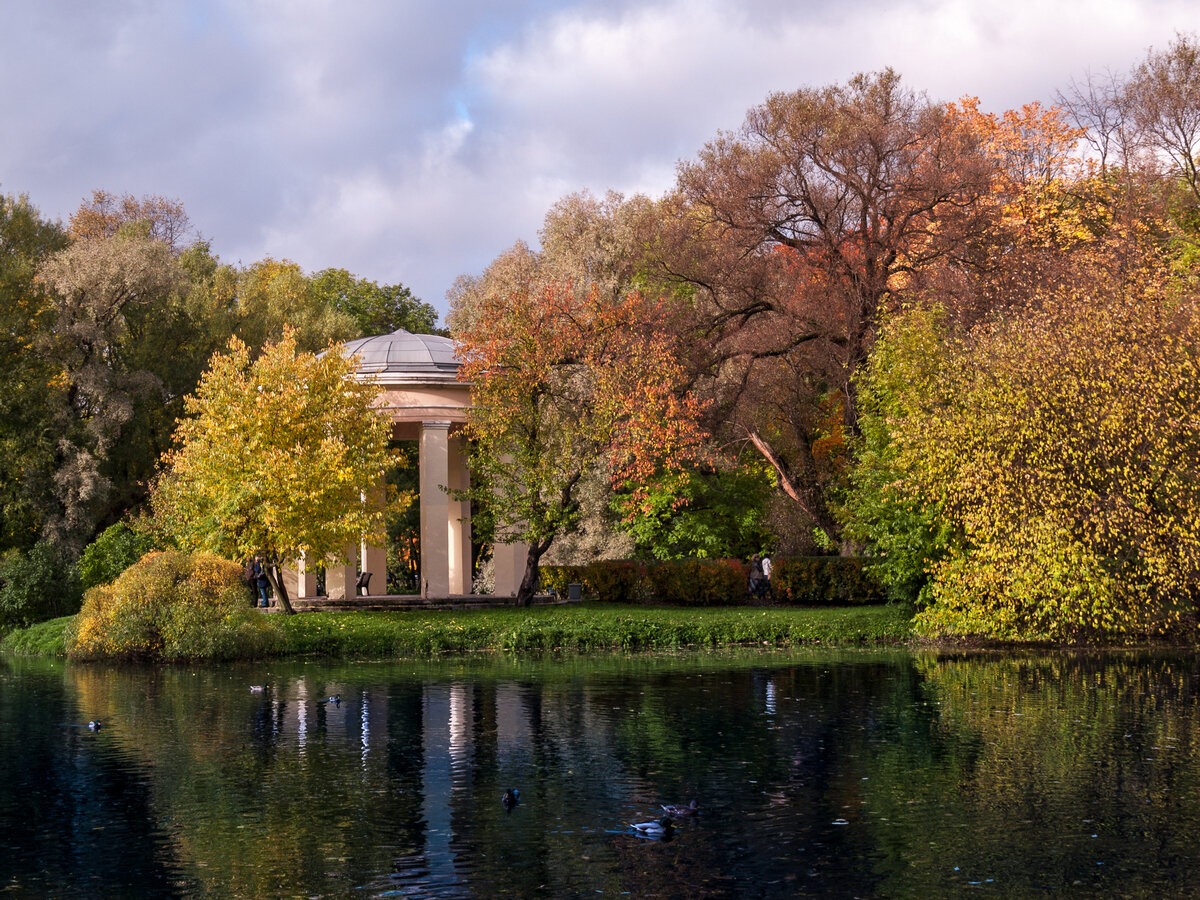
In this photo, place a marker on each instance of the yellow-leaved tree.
(277, 458)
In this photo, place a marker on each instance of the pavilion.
(417, 379)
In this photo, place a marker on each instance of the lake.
(817, 773)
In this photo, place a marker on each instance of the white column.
(434, 462)
(460, 521)
(508, 562)
(341, 575)
(374, 559)
(298, 580)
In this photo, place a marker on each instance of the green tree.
(274, 295)
(276, 459)
(31, 415)
(375, 309)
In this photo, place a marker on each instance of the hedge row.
(795, 581)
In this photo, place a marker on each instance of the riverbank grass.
(576, 628)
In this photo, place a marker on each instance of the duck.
(655, 828)
(95, 725)
(681, 812)
(336, 700)
(257, 688)
(511, 798)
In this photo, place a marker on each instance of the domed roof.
(417, 356)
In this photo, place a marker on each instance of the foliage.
(1072, 500)
(561, 380)
(274, 296)
(824, 581)
(806, 581)
(36, 584)
(172, 606)
(375, 309)
(707, 514)
(105, 215)
(115, 549)
(47, 639)
(277, 459)
(30, 397)
(908, 374)
(119, 341)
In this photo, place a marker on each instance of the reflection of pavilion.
(417, 377)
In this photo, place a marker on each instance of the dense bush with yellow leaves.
(1042, 469)
(172, 606)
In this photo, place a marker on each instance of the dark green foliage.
(35, 585)
(30, 406)
(376, 309)
(722, 514)
(799, 581)
(824, 581)
(116, 549)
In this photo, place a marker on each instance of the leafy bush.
(36, 585)
(803, 581)
(698, 582)
(172, 606)
(1035, 477)
(824, 581)
(116, 549)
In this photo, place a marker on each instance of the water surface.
(825, 774)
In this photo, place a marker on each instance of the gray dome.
(403, 353)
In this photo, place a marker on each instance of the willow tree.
(276, 459)
(564, 382)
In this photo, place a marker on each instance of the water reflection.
(818, 774)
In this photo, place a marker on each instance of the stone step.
(395, 603)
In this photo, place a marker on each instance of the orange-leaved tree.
(564, 381)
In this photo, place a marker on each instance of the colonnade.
(446, 568)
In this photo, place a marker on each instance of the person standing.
(756, 576)
(766, 570)
(263, 583)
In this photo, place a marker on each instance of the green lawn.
(587, 627)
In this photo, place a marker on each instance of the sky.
(413, 142)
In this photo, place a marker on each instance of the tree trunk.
(813, 507)
(530, 579)
(281, 594)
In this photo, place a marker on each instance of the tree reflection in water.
(820, 774)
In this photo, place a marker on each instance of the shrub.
(36, 585)
(698, 582)
(617, 581)
(172, 606)
(802, 581)
(824, 581)
(116, 549)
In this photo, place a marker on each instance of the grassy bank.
(590, 627)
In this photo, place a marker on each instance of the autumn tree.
(1039, 469)
(106, 214)
(593, 243)
(276, 458)
(794, 232)
(273, 295)
(564, 381)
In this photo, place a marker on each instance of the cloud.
(413, 142)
